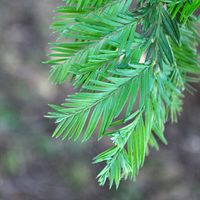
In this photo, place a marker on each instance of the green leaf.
(171, 27)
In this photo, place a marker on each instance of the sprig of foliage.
(130, 67)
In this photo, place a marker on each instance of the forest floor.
(33, 166)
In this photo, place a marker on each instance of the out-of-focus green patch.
(8, 117)
(13, 161)
(80, 174)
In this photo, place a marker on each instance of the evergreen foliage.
(130, 67)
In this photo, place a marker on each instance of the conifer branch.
(130, 68)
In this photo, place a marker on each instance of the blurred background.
(33, 166)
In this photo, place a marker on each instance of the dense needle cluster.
(129, 65)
